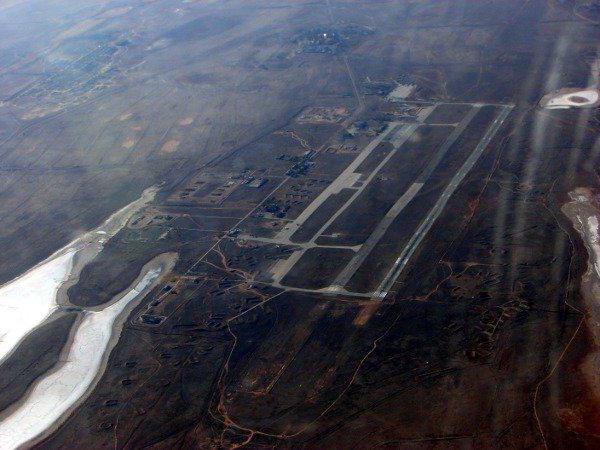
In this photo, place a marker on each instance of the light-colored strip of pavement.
(449, 142)
(404, 200)
(439, 206)
(407, 131)
(345, 179)
(376, 236)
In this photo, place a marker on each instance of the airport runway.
(398, 134)
(353, 265)
(400, 138)
(424, 176)
(346, 274)
(345, 180)
(434, 213)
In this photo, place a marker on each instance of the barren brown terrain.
(372, 222)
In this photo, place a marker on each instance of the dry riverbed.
(34, 298)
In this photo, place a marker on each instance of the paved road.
(353, 265)
(348, 176)
(401, 137)
(346, 179)
(449, 142)
(320, 292)
(434, 213)
(303, 245)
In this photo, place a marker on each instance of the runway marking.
(397, 133)
(353, 265)
(400, 137)
(345, 179)
(404, 200)
(439, 155)
(439, 206)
